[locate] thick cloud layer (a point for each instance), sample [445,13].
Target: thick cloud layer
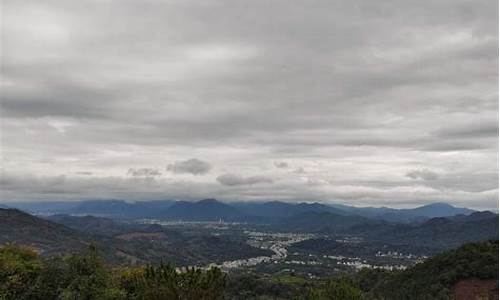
[422,174]
[192,166]
[281,164]
[234,179]
[362,102]
[142,172]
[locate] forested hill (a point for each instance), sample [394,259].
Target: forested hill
[24,275]
[468,272]
[437,277]
[118,243]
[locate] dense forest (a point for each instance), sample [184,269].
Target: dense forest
[25,275]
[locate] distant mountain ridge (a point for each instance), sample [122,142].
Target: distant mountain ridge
[277,209]
[204,210]
[433,210]
[448,232]
[436,233]
[325,222]
[213,210]
[407,214]
[120,208]
[112,208]
[142,243]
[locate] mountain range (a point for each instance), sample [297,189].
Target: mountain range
[117,242]
[213,210]
[124,241]
[433,235]
[204,210]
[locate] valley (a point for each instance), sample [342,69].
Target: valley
[287,248]
[308,240]
[310,255]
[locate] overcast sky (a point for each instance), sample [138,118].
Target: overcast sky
[360,102]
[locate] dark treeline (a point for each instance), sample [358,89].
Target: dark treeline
[25,275]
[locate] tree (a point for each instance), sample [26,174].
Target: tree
[88,279]
[164,282]
[20,266]
[337,289]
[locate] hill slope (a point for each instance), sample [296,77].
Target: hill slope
[90,224]
[435,278]
[436,234]
[119,244]
[49,237]
[446,233]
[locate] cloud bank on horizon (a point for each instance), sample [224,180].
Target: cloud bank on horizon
[360,102]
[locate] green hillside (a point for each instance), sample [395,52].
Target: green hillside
[25,275]
[434,278]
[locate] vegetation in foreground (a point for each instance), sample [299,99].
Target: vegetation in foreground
[24,275]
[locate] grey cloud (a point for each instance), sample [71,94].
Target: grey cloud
[315,181]
[192,166]
[299,170]
[455,145]
[143,172]
[22,188]
[84,173]
[381,86]
[281,164]
[235,180]
[482,129]
[422,174]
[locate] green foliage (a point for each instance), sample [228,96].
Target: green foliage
[430,280]
[24,275]
[19,269]
[337,289]
[251,286]
[433,278]
[86,278]
[164,282]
